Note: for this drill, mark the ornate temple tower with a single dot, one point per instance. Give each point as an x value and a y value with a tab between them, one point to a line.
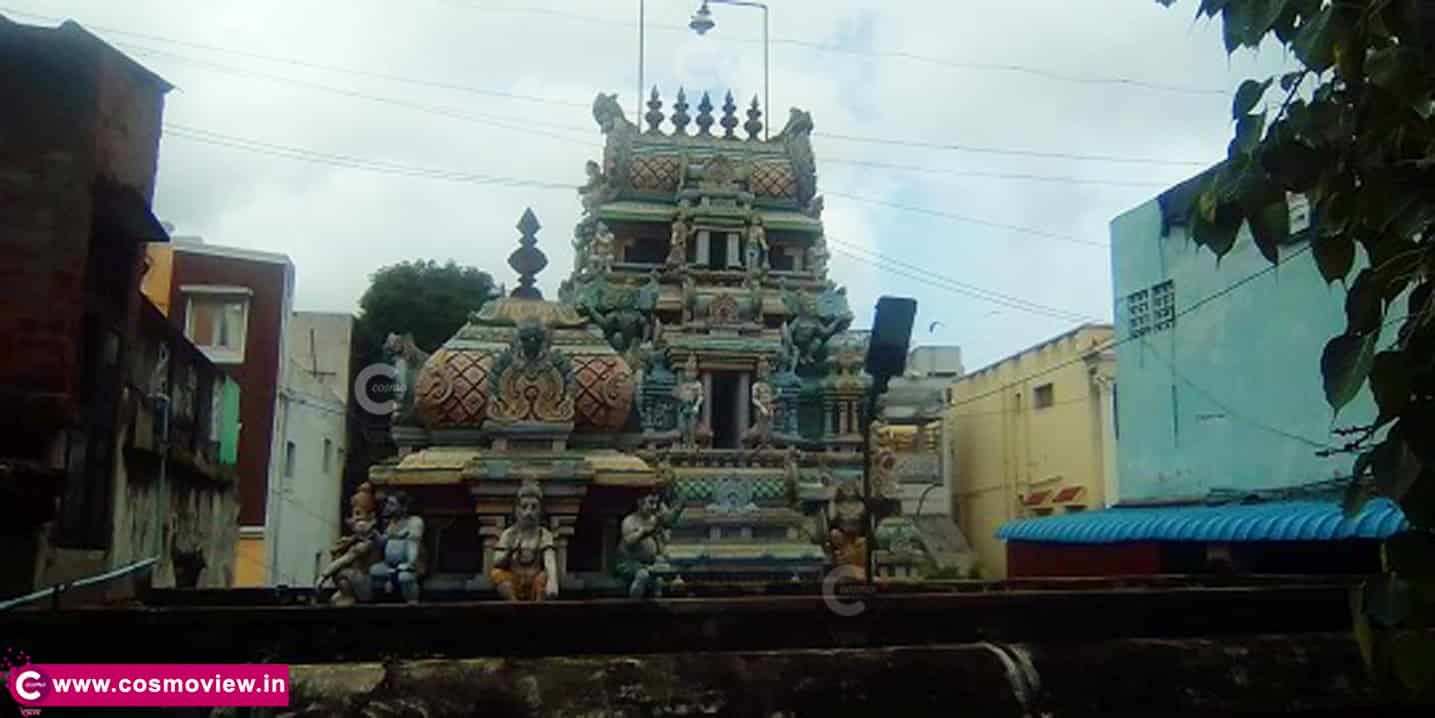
701	254
698	345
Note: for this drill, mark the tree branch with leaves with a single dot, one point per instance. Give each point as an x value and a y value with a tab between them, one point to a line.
1355	135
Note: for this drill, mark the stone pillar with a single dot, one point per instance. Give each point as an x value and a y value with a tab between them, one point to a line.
827	419
703	257
1107	431
489	527
707	399
744	404
563	527
734	255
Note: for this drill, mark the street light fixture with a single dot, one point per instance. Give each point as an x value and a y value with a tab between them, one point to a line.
701	23
702	20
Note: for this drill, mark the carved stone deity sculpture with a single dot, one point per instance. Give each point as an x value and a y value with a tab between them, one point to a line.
407	359
689	393
764	407
525	564
817	256
678	243
757	256
596	191
846	541
353	554
601	255
402	542
529	381
643	548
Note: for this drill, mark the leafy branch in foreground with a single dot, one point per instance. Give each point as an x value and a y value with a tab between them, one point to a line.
1354	133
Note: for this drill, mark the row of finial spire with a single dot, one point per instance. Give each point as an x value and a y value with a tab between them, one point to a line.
704	120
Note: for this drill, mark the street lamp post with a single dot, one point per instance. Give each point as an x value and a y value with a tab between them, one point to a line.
702	22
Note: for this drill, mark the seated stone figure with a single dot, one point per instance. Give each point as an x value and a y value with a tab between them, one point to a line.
402	541
525	564
353	554
643	548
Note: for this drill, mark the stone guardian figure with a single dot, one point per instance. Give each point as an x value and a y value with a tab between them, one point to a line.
525	564
402	541
354	554
643	548
689	393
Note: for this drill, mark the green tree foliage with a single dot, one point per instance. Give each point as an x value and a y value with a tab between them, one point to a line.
1352	130
429	300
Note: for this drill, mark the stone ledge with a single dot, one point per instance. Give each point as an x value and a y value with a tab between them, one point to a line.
1313	673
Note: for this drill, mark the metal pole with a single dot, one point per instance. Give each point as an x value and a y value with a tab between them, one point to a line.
766	85
642	12
868	525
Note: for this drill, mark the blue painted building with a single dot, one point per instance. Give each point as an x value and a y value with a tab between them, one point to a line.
1220	405
1220	385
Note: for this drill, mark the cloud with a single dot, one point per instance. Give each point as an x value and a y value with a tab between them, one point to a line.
339	224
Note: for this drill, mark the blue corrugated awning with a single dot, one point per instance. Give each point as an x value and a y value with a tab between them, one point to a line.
1274	521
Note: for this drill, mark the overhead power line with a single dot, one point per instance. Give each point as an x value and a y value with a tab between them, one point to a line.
1044	73
488	120
968	219
309	64
518	124
1000	151
349	162
875	259
992	175
939	281
1214	296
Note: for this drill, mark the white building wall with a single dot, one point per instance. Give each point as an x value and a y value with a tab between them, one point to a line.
321	343
303	517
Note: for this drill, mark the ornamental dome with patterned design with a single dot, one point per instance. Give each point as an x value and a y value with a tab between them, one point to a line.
454	387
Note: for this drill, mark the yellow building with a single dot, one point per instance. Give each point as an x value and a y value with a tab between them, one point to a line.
1033	434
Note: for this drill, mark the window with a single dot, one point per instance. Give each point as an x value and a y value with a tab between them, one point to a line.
216	321
1116	410
289	450
1163	306
1043	396
328	455
725	395
646	250
1151	310
781	259
1299	216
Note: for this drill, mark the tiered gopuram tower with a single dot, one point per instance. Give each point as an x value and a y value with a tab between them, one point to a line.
698	344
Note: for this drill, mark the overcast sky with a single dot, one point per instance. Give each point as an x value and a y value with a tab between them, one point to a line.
1051	76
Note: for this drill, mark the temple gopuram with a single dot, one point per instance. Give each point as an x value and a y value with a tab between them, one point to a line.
697	349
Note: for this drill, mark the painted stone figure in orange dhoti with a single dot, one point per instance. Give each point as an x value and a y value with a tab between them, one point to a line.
525	565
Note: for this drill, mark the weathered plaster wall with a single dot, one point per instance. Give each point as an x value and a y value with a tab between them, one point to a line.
1005	447
46	165
126	139
1210	403
302	518
200	514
